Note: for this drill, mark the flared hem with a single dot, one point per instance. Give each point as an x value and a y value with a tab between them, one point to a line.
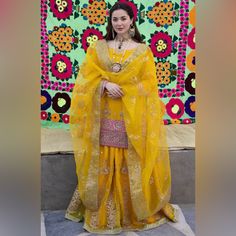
73	218
123	229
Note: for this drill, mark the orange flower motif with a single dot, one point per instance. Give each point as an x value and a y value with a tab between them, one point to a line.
162	6
67	47
61	47
43	100
95	3
169	5
166	65
103	12
159	80
193	106
68	31
159	65
150	15
55	34
55	117
162	14
95	12
62	38
103	4
56	43
51	38
191	60
95	20
84	11
61	31
192	16
166	73
169	21
167	80
68	39
175	121
102	21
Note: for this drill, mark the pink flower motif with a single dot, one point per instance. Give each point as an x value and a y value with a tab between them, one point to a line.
62	10
191	41
66	118
166	122
167	41
175	108
44	115
187	121
56	71
90	32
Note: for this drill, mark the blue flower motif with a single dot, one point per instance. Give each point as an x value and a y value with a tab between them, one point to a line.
187	106
48	101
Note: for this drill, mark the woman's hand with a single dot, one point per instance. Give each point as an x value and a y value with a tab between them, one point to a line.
113	90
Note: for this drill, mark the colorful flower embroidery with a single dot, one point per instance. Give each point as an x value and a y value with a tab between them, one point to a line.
55	117
90	36
61	67
61	102
62	9
175	108
45	100
190	83
190	106
191	39
162	14
161	45
95	12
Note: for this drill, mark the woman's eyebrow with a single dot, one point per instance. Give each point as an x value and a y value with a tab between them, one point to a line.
114	17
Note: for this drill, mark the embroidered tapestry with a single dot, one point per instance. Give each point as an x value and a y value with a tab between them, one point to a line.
68	27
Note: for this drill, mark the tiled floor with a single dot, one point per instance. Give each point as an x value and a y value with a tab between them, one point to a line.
57	225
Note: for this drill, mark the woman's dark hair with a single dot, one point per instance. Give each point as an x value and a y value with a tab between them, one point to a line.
118	5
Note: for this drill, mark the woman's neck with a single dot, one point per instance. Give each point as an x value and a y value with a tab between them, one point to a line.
123	37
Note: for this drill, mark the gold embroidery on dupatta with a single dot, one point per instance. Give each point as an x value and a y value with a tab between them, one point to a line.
94	219
75	210
91	193
135	182
111	212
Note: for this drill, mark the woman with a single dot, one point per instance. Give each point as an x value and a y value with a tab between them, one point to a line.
121	156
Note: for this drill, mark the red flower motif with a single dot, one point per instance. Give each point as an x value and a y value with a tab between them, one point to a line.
61	9
44	115
187	121
191	40
66	118
65	70
90	33
175	108
166	40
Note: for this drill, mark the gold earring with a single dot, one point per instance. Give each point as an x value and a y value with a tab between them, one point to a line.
132	31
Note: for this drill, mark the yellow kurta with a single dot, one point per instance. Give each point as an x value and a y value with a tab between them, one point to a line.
133	184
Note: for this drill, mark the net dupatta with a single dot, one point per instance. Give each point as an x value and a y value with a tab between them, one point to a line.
143	113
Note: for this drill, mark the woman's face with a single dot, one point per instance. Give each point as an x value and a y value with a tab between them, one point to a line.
121	21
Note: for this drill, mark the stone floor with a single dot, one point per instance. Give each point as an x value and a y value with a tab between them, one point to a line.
56	225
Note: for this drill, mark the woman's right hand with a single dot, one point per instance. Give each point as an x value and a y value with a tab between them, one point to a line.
113	90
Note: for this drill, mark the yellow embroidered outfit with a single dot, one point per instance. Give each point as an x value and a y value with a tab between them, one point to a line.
122	160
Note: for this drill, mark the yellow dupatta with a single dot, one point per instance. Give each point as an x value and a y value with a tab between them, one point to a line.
147	149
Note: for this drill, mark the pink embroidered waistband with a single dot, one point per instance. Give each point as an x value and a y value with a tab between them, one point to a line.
113	133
